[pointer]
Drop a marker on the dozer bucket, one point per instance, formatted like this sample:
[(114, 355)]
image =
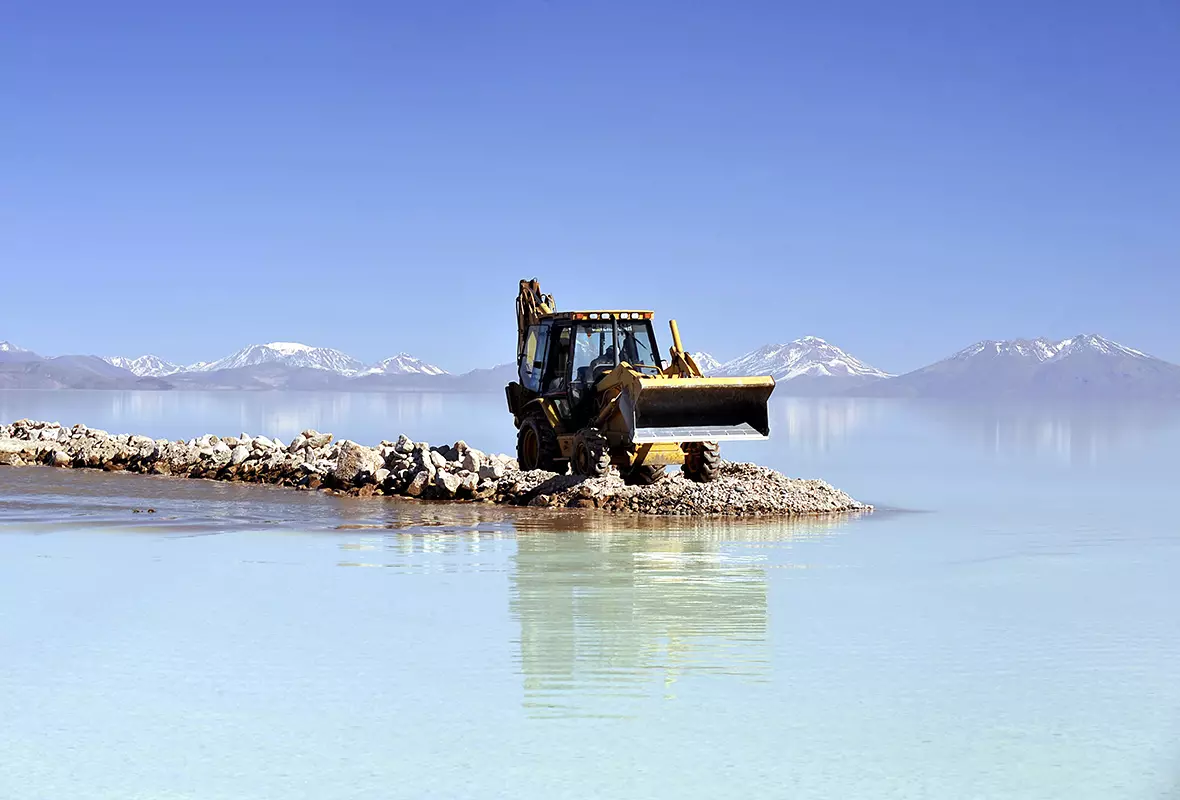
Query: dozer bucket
[(697, 409)]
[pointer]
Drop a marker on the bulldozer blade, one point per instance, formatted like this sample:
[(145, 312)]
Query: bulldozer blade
[(698, 409)]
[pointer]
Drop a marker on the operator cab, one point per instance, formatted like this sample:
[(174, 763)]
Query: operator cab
[(566, 354)]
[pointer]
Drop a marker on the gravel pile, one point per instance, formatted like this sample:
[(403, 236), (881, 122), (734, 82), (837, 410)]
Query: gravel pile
[(406, 468), (741, 490)]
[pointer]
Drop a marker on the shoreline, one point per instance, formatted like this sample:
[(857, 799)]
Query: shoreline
[(408, 469)]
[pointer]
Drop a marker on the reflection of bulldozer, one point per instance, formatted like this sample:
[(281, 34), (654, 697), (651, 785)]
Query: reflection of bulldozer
[(605, 615), (593, 391)]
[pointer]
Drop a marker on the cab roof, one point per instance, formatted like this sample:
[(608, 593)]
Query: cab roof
[(598, 314)]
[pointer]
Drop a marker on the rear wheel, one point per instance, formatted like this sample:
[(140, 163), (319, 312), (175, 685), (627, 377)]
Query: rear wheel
[(591, 457), (643, 475), (536, 444), (702, 461)]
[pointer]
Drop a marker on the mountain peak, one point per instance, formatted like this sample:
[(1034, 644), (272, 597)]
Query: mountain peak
[(1042, 349), (292, 354), (144, 366), (706, 362), (809, 355), (9, 347), (1092, 342), (404, 364), (289, 348)]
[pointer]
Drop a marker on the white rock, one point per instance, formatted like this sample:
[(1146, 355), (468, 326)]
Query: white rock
[(472, 460), (491, 471), (447, 483)]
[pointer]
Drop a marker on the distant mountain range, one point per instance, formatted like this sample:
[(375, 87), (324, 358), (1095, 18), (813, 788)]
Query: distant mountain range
[(289, 354), (278, 365), (1084, 366)]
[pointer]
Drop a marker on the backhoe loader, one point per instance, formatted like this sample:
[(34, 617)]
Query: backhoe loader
[(592, 391)]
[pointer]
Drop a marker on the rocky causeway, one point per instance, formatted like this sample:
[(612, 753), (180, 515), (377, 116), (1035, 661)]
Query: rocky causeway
[(405, 468)]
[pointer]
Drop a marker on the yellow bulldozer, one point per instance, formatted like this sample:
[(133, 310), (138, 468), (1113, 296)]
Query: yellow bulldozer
[(592, 390)]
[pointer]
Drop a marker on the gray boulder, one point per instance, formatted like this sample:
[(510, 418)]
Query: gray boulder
[(492, 470), (316, 439), (468, 484), (355, 463), (447, 483), (472, 460), (418, 484)]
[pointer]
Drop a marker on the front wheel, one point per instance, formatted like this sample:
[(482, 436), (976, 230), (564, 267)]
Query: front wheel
[(702, 461), (643, 475), (536, 445), (591, 456)]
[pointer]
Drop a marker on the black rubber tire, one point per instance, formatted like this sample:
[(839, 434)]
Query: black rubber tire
[(702, 462), (643, 475), (591, 453), (536, 445)]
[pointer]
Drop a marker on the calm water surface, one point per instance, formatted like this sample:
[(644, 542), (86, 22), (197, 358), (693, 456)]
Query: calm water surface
[(1008, 626)]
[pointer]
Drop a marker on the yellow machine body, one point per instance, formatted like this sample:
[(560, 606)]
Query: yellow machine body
[(651, 415)]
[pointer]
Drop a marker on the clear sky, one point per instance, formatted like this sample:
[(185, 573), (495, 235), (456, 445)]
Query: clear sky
[(901, 178)]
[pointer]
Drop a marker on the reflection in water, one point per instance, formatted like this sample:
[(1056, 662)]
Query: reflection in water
[(615, 613), (1076, 435), (817, 424), (1069, 434), (607, 613), (365, 417), (274, 414)]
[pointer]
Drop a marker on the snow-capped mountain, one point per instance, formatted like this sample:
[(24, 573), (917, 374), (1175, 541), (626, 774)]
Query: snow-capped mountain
[(1042, 350), (291, 354), (280, 354), (1083, 366), (806, 357), (1034, 349), (9, 352), (404, 364), (145, 366), (1092, 343), (707, 363)]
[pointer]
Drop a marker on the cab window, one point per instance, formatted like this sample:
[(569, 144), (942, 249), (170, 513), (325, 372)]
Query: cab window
[(636, 346), (594, 348), (533, 358), (557, 365)]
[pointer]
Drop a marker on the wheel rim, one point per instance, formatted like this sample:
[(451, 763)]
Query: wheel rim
[(530, 448)]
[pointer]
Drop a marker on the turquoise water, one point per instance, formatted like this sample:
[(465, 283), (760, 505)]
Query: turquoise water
[(1005, 627)]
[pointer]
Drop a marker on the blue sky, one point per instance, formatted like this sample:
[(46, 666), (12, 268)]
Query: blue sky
[(900, 178)]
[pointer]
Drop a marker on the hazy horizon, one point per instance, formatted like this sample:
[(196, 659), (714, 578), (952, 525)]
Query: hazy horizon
[(724, 359)]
